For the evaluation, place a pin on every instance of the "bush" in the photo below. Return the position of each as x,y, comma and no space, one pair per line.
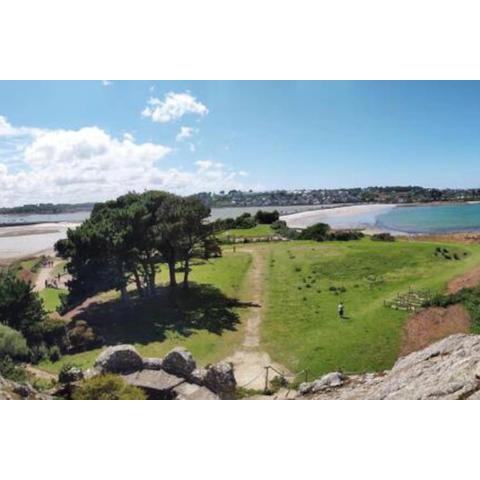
107,387
54,354
39,352
81,337
245,221
383,237
345,235
12,344
267,217
48,332
9,370
318,232
278,225
20,306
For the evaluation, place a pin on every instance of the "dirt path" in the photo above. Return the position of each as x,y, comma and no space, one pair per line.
249,361
39,373
44,274
466,280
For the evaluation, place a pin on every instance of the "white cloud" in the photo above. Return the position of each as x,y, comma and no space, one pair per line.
7,130
107,83
192,147
89,164
185,132
173,106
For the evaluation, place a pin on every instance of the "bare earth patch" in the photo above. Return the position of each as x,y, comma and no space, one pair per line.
467,280
433,324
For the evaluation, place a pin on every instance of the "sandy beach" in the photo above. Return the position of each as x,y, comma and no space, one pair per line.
29,240
352,216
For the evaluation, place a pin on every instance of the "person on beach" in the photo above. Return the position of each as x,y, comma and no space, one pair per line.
341,310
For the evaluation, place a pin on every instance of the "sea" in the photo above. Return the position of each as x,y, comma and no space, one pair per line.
461,217
80,216
418,219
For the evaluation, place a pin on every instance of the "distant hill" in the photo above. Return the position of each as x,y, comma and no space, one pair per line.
392,194
48,208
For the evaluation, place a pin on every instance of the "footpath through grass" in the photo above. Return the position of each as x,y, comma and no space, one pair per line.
306,281
206,319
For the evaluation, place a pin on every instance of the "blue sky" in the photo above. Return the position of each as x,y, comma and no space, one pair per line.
76,141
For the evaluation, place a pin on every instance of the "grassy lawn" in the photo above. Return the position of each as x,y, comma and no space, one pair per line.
306,281
51,298
206,319
257,231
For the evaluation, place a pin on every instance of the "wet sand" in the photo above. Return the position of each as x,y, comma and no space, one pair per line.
353,216
23,241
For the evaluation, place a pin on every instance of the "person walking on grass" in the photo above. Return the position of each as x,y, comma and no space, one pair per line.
341,310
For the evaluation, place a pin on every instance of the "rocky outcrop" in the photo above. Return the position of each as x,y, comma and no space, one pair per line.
73,374
220,379
328,381
176,376
446,370
179,361
119,359
152,363
10,390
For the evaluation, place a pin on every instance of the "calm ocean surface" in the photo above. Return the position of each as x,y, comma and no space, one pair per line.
80,216
431,218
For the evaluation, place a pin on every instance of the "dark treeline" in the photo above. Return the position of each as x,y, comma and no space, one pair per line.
47,208
126,240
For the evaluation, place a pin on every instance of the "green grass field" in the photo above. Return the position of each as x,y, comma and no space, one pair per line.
257,231
305,283
51,298
205,320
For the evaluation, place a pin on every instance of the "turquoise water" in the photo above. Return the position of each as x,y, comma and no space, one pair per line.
431,218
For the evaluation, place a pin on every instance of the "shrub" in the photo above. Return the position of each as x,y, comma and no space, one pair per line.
20,306
49,332
9,370
81,337
345,235
267,217
38,353
12,344
278,225
54,354
383,237
318,232
107,387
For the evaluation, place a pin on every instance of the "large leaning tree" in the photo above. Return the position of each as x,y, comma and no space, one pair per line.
125,240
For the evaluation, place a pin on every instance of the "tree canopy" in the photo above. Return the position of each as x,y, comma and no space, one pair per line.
125,240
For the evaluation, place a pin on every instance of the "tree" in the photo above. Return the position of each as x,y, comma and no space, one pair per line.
125,240
114,247
182,231
20,307
267,217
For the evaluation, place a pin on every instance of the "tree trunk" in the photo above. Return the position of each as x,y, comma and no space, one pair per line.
186,271
151,278
171,271
123,294
138,283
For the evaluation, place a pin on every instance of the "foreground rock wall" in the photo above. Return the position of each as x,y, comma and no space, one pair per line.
448,369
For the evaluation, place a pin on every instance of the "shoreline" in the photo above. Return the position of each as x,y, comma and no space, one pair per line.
26,241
